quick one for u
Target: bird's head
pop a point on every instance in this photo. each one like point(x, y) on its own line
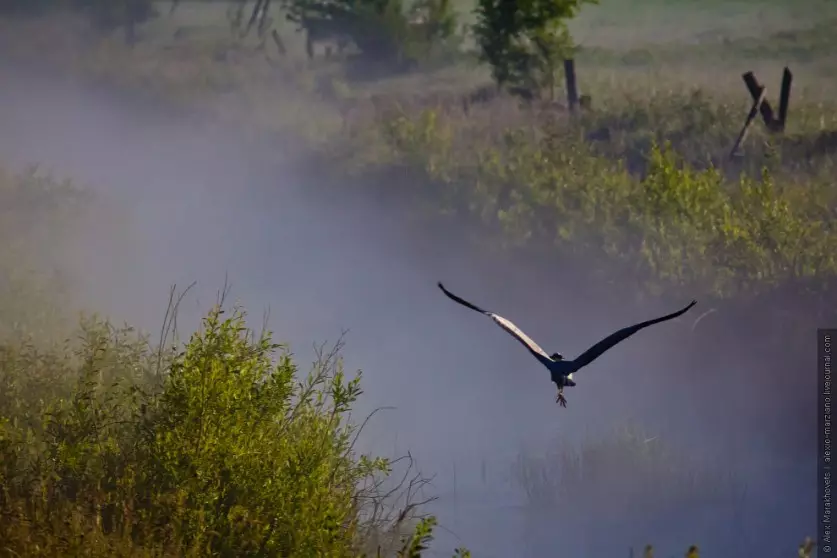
point(556, 356)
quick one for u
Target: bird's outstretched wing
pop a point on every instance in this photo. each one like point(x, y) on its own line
point(507, 325)
point(596, 350)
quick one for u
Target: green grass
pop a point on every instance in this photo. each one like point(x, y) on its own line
point(626, 25)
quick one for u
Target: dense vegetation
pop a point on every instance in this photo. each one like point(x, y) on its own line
point(639, 185)
point(111, 445)
point(665, 202)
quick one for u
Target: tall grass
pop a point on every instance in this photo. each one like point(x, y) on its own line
point(216, 447)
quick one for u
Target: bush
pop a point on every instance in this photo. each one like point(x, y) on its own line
point(110, 446)
point(673, 224)
point(212, 448)
point(388, 32)
point(524, 42)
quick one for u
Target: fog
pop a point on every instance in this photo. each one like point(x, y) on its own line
point(182, 201)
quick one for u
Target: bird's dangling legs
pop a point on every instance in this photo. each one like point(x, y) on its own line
point(560, 399)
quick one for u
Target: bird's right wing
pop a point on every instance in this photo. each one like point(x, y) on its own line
point(608, 342)
point(507, 325)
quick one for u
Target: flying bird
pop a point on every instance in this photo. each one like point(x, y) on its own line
point(560, 370)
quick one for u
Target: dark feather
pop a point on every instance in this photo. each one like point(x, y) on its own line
point(461, 301)
point(596, 350)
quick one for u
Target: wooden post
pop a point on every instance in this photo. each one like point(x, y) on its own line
point(280, 46)
point(750, 117)
point(264, 20)
point(784, 99)
point(755, 89)
point(572, 91)
point(257, 10)
point(309, 45)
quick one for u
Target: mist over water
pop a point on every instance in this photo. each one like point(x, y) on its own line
point(184, 202)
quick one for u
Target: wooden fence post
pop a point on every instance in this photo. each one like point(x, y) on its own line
point(572, 91)
point(784, 99)
point(750, 117)
point(755, 89)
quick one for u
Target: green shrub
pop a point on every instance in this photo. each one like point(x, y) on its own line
point(678, 226)
point(111, 446)
point(215, 447)
point(388, 32)
point(525, 42)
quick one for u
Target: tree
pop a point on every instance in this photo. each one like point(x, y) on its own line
point(214, 447)
point(389, 31)
point(524, 41)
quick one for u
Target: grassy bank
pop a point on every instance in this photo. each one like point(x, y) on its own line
point(641, 182)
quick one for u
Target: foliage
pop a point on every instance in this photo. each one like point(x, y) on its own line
point(420, 540)
point(524, 42)
point(213, 448)
point(387, 31)
point(110, 446)
point(683, 225)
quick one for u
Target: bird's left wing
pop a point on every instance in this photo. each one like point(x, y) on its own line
point(515, 332)
point(608, 342)
point(462, 301)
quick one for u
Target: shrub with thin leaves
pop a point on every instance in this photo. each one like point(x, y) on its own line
point(677, 224)
point(524, 42)
point(216, 447)
point(111, 446)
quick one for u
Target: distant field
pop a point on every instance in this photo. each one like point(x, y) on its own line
point(633, 24)
point(642, 44)
point(610, 24)
point(657, 73)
